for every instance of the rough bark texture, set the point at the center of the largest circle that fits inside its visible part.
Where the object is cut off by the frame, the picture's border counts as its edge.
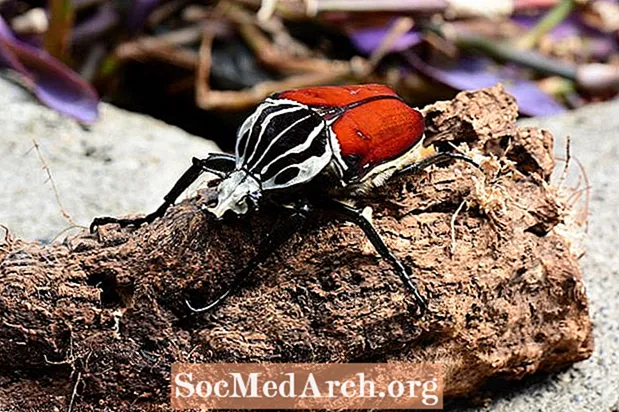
(100, 318)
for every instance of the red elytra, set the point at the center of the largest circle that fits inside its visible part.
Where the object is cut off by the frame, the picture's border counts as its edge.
(375, 126)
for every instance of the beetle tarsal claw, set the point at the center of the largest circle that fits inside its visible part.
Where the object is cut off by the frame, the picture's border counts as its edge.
(197, 310)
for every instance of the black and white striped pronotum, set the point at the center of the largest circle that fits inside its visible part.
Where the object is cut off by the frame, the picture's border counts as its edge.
(294, 136)
(354, 136)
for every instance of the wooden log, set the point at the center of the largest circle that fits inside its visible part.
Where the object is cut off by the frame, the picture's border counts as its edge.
(97, 320)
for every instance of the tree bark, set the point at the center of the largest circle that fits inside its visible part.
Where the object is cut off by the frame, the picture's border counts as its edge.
(97, 320)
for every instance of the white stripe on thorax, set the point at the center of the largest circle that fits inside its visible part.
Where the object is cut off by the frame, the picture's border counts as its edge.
(276, 138)
(265, 124)
(247, 127)
(298, 149)
(308, 169)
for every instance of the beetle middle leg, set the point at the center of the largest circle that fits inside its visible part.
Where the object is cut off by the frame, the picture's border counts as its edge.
(218, 164)
(280, 235)
(356, 216)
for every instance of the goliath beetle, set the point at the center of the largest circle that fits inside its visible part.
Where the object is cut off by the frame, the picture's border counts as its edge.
(312, 148)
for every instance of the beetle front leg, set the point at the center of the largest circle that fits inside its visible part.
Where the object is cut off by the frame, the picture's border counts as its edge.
(356, 216)
(432, 160)
(218, 164)
(281, 234)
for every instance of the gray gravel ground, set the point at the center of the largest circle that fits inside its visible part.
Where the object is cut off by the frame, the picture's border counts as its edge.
(127, 162)
(124, 164)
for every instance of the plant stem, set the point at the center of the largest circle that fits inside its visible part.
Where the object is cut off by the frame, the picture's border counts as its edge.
(57, 38)
(506, 52)
(554, 17)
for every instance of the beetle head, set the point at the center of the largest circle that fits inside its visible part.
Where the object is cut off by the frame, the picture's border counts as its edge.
(237, 192)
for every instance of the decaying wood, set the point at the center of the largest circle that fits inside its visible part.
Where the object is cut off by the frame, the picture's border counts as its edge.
(100, 318)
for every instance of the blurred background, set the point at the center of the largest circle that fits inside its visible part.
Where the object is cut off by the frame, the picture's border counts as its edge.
(204, 65)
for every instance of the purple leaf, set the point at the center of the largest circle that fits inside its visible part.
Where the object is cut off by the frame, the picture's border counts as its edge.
(93, 28)
(138, 13)
(368, 40)
(5, 31)
(478, 72)
(54, 84)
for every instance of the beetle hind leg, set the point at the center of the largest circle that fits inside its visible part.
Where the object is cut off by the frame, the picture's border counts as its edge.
(218, 164)
(356, 216)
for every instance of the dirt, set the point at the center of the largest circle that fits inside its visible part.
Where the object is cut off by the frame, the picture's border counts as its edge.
(96, 321)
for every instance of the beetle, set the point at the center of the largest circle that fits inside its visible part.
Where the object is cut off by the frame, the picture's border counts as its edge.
(312, 148)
